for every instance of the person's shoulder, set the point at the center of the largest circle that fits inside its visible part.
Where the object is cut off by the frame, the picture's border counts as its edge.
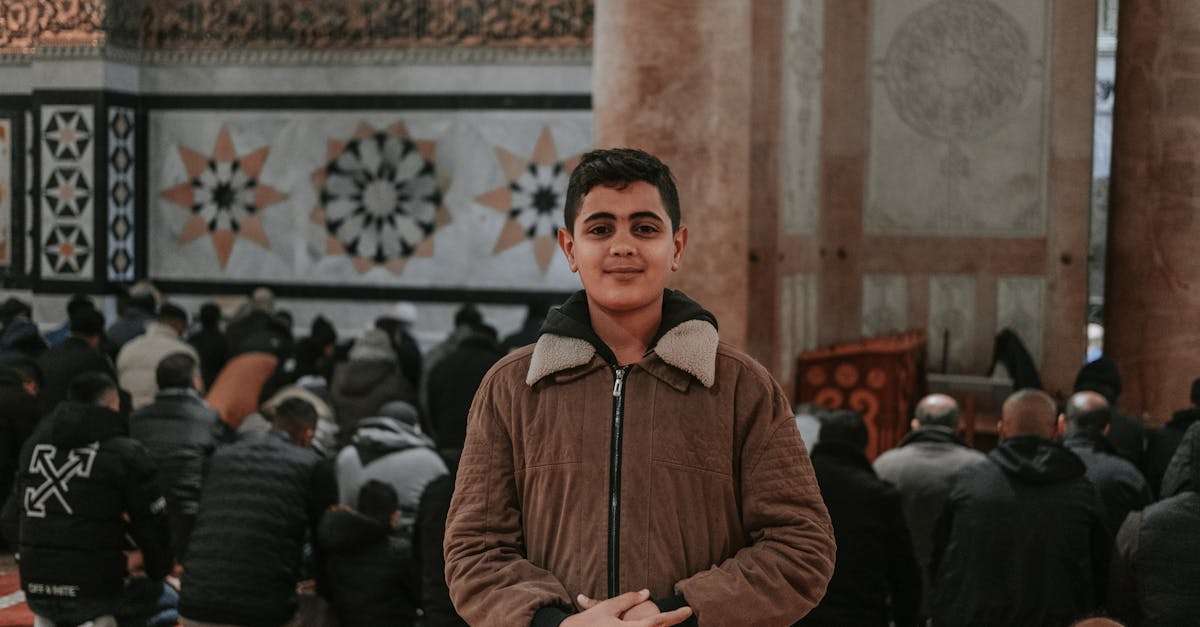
(733, 360)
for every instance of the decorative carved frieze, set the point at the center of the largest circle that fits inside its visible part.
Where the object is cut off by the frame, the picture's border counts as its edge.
(212, 25)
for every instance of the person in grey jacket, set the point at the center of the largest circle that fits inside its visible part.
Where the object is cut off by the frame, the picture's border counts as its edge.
(1156, 560)
(922, 468)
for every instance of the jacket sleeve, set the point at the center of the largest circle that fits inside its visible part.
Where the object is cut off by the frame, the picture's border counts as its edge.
(147, 511)
(783, 572)
(904, 574)
(491, 582)
(1122, 582)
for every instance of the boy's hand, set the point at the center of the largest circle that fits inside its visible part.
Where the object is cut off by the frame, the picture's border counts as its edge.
(630, 609)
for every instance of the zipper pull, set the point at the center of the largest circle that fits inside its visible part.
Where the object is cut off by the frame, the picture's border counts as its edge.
(619, 382)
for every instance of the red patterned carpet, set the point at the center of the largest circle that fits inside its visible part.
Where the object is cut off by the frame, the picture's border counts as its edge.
(13, 612)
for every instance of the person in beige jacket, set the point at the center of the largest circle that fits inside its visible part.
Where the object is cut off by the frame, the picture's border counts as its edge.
(630, 468)
(138, 358)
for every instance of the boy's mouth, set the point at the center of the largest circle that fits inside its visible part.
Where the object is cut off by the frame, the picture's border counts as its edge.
(623, 270)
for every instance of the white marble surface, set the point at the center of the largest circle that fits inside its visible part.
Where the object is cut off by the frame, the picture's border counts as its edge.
(799, 160)
(1021, 306)
(368, 79)
(958, 137)
(6, 189)
(885, 304)
(951, 308)
(798, 320)
(466, 162)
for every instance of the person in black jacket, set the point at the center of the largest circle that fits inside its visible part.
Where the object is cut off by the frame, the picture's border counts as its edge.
(1156, 560)
(370, 566)
(180, 431)
(1162, 442)
(20, 382)
(430, 533)
(210, 343)
(1022, 539)
(452, 384)
(1121, 486)
(875, 560)
(81, 478)
(259, 501)
(78, 354)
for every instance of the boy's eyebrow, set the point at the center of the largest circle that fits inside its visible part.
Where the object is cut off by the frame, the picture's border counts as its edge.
(637, 215)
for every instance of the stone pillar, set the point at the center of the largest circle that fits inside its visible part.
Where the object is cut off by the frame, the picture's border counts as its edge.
(1152, 291)
(673, 77)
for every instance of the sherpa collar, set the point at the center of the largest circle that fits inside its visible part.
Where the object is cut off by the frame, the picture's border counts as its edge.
(688, 344)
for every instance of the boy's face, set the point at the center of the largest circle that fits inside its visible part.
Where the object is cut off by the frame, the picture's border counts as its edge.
(622, 246)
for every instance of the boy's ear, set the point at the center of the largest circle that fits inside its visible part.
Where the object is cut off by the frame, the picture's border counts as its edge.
(681, 236)
(567, 243)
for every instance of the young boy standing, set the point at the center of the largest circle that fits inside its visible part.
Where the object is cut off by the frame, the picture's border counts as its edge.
(630, 450)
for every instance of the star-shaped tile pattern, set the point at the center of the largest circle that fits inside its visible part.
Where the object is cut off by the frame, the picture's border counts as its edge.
(533, 198)
(380, 198)
(67, 135)
(67, 249)
(67, 192)
(224, 195)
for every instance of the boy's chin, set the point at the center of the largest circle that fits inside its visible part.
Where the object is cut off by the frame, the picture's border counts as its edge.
(624, 302)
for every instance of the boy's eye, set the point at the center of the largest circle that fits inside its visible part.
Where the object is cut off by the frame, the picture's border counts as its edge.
(645, 229)
(600, 229)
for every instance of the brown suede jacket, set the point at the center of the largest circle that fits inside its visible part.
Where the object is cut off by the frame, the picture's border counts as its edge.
(716, 498)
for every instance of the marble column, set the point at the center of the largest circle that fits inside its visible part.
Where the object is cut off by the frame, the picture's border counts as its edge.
(1152, 291)
(673, 77)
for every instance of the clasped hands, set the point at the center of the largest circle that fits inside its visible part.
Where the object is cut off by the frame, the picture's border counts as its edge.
(632, 609)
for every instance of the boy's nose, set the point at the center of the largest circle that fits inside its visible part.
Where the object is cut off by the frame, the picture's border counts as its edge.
(622, 249)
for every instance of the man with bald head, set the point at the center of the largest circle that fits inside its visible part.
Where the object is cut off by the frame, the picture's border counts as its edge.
(1121, 486)
(1021, 540)
(922, 467)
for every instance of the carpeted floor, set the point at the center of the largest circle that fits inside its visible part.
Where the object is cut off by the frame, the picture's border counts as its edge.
(13, 612)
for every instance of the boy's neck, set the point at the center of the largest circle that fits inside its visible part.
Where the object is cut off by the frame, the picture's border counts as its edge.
(627, 333)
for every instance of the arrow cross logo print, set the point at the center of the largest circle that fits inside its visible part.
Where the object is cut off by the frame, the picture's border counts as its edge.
(57, 481)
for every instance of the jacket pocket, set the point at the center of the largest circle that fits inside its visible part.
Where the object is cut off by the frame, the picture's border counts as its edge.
(693, 437)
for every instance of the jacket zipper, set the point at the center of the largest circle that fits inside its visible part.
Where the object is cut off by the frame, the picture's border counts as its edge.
(614, 483)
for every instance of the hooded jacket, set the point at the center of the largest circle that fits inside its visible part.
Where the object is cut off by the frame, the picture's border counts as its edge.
(386, 449)
(682, 473)
(1021, 540)
(79, 475)
(875, 557)
(18, 418)
(371, 572)
(1156, 560)
(369, 380)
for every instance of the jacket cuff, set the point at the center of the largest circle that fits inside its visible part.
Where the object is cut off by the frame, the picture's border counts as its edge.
(549, 616)
(675, 602)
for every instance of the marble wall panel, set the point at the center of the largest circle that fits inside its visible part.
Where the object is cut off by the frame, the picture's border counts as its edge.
(6, 190)
(1021, 306)
(951, 316)
(446, 199)
(959, 93)
(885, 304)
(122, 159)
(798, 321)
(799, 160)
(68, 193)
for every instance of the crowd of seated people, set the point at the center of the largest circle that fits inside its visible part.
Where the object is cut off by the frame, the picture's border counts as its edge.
(225, 472)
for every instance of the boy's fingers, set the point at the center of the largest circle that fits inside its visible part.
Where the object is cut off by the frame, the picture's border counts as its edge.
(666, 619)
(586, 602)
(620, 604)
